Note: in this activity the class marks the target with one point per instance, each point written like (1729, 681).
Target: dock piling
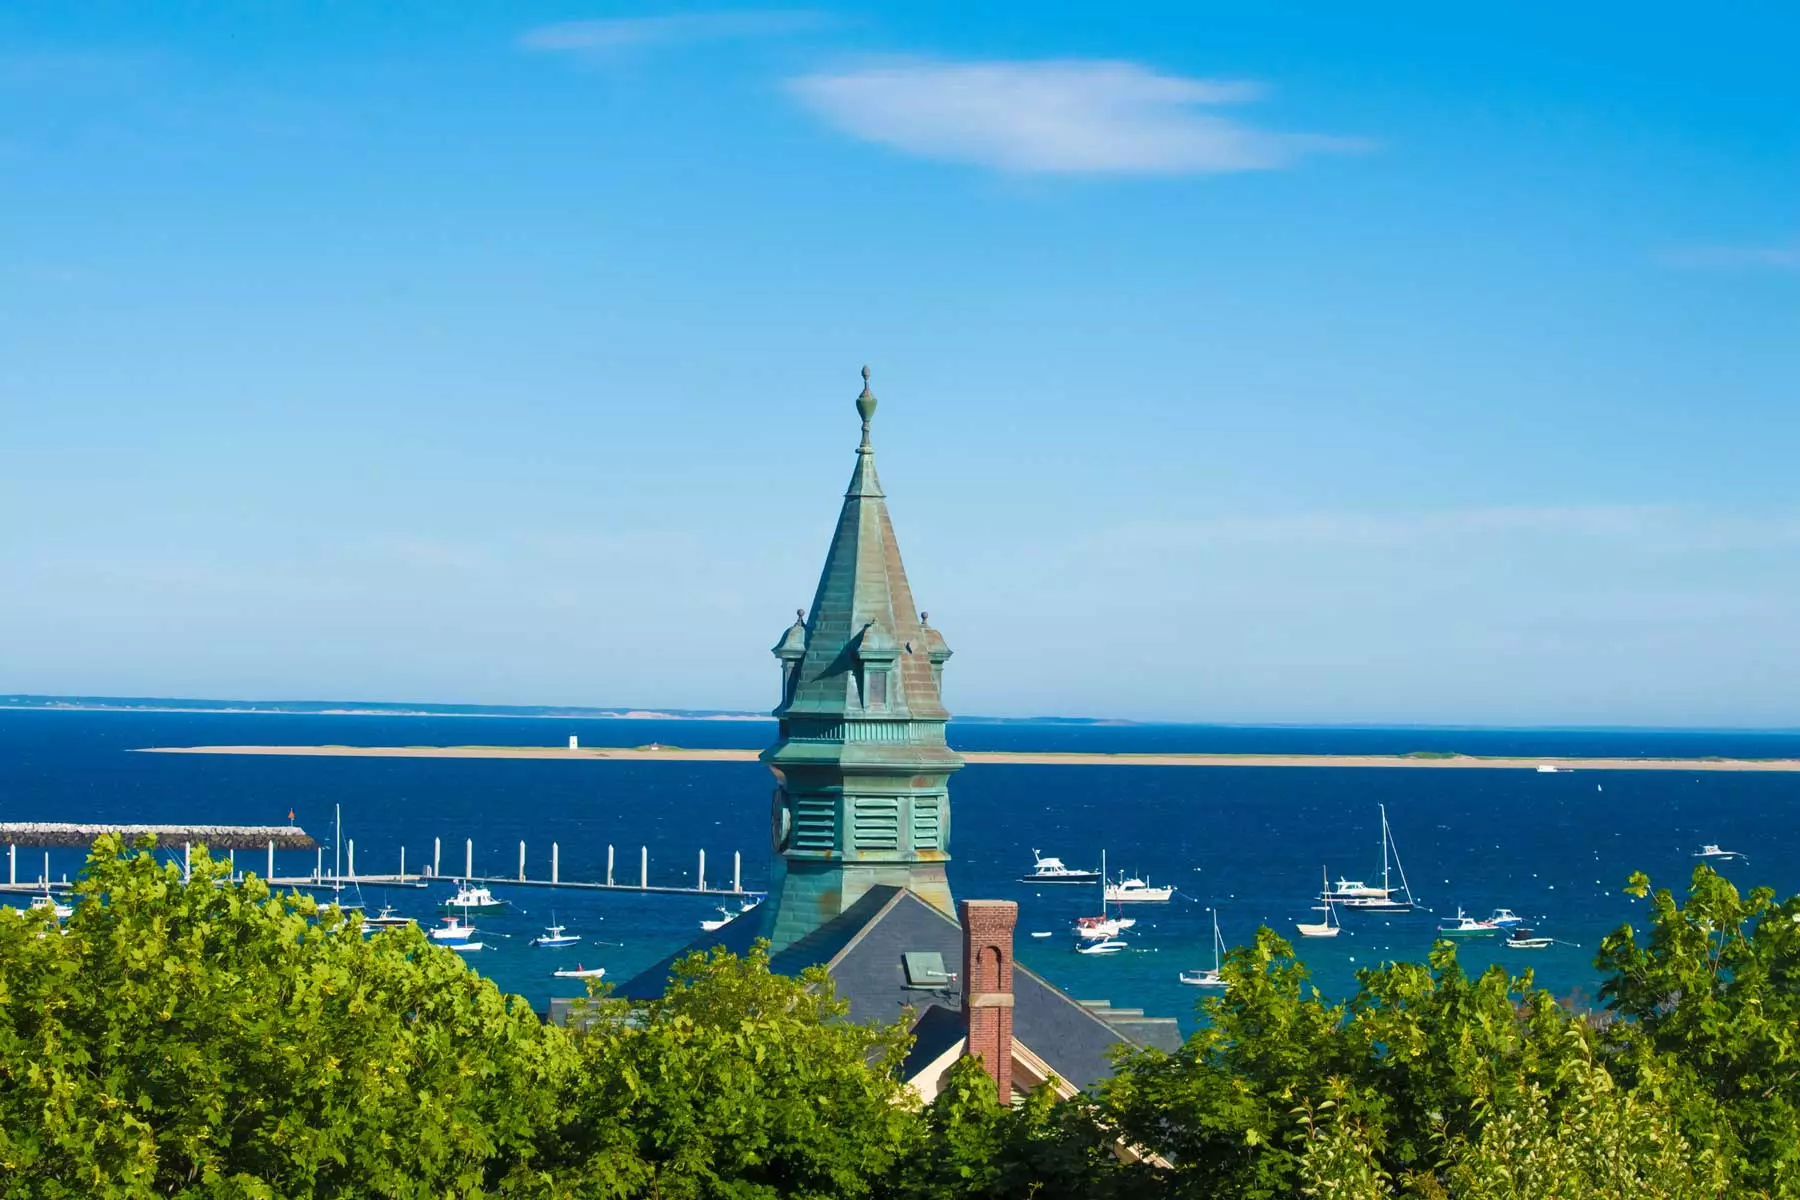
(643, 866)
(12, 865)
(187, 864)
(737, 870)
(468, 857)
(609, 862)
(350, 855)
(319, 865)
(403, 864)
(521, 862)
(555, 872)
(437, 847)
(700, 874)
(271, 874)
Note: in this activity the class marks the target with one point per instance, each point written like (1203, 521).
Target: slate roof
(863, 950)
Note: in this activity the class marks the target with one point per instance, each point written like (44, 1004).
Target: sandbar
(1022, 758)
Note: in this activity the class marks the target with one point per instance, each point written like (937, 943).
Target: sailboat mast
(337, 845)
(1384, 849)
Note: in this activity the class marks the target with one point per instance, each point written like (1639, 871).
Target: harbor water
(1556, 848)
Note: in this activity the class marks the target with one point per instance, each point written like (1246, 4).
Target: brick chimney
(987, 986)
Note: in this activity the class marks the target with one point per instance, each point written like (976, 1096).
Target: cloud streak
(1068, 116)
(612, 34)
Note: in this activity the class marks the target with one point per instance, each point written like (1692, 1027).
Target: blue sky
(1275, 362)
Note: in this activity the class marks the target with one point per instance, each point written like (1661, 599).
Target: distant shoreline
(1020, 758)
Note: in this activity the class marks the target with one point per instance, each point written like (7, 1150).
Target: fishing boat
(473, 900)
(454, 929)
(468, 947)
(554, 936)
(1363, 897)
(726, 916)
(1137, 891)
(1212, 978)
(1711, 850)
(1328, 928)
(386, 919)
(578, 972)
(1052, 870)
(1505, 918)
(1107, 946)
(1462, 925)
(1102, 927)
(1521, 938)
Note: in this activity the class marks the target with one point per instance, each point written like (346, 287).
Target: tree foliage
(204, 1038)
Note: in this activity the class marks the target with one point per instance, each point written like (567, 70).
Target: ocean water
(1250, 841)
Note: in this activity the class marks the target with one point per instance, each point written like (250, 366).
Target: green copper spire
(861, 762)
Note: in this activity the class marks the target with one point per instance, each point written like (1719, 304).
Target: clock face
(781, 820)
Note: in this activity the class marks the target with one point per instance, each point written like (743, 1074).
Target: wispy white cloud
(1070, 116)
(1770, 256)
(606, 35)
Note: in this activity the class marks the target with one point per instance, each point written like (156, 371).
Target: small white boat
(726, 916)
(1137, 891)
(47, 903)
(749, 903)
(1711, 850)
(1109, 946)
(1041, 933)
(1328, 928)
(1552, 769)
(1523, 939)
(1052, 870)
(1463, 925)
(554, 936)
(1212, 978)
(1505, 918)
(473, 900)
(454, 929)
(578, 972)
(467, 947)
(1098, 929)
(386, 919)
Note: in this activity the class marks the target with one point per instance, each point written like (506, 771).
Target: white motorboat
(554, 936)
(1355, 894)
(726, 916)
(1505, 918)
(47, 903)
(578, 972)
(1711, 850)
(467, 947)
(454, 929)
(386, 919)
(1521, 938)
(1328, 928)
(1552, 769)
(1109, 946)
(1052, 870)
(1040, 933)
(1212, 978)
(1137, 891)
(470, 899)
(1463, 925)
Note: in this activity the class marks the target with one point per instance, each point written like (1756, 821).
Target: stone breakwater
(51, 834)
(1027, 758)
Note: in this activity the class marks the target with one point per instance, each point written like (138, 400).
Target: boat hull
(1317, 931)
(1088, 877)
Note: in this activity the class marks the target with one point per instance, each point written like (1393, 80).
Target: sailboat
(1328, 928)
(1355, 894)
(1102, 928)
(1212, 978)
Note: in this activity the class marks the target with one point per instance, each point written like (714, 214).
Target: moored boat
(578, 972)
(1053, 870)
(1521, 938)
(470, 899)
(1363, 897)
(554, 936)
(1328, 928)
(386, 919)
(1463, 925)
(1505, 918)
(1212, 978)
(1132, 890)
(1711, 850)
(454, 929)
(1108, 946)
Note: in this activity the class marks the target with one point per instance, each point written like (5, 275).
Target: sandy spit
(664, 754)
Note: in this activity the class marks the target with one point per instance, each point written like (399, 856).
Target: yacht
(386, 919)
(1107, 946)
(47, 903)
(1052, 870)
(1462, 925)
(1137, 891)
(554, 936)
(1711, 850)
(1102, 927)
(473, 900)
(1212, 978)
(1363, 897)
(578, 972)
(1328, 928)
(454, 929)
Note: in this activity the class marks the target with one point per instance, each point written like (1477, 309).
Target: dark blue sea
(1555, 848)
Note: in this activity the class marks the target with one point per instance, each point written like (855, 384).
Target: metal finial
(800, 616)
(865, 405)
(924, 618)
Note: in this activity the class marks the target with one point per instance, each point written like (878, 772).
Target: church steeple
(861, 762)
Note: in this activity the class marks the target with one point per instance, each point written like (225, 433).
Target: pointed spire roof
(864, 599)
